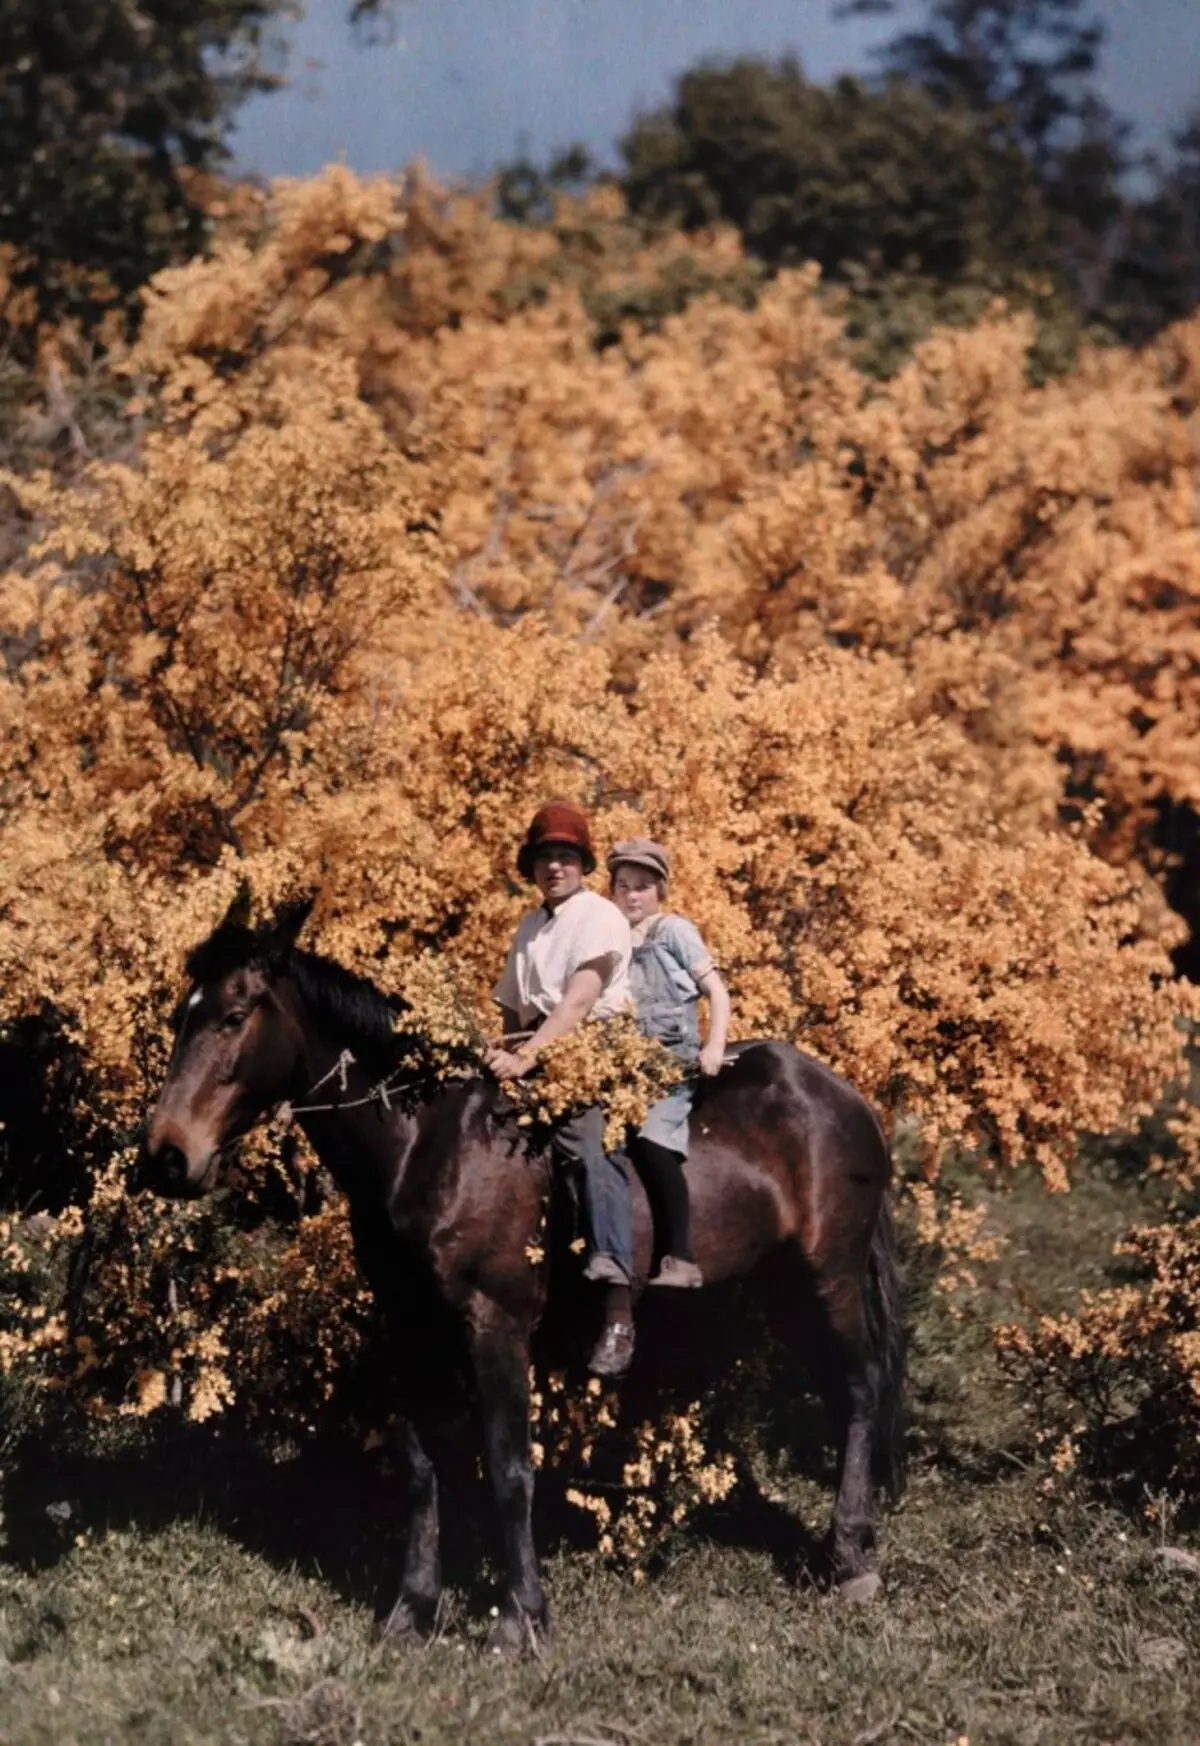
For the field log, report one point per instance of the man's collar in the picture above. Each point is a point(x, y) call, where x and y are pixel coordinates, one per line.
point(561, 905)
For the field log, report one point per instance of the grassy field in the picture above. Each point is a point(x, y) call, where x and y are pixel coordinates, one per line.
point(204, 1597)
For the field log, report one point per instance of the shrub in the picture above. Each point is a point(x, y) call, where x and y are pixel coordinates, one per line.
point(395, 563)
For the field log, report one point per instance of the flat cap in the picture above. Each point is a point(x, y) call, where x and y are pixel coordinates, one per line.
point(641, 852)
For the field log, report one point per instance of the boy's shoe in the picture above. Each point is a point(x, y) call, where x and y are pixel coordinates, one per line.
point(614, 1351)
point(683, 1274)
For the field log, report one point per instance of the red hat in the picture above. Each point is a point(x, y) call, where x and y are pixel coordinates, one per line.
point(558, 822)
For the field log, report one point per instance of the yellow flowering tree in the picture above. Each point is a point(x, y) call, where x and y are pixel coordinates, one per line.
point(402, 553)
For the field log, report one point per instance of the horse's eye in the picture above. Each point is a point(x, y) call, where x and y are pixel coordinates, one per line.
point(233, 1021)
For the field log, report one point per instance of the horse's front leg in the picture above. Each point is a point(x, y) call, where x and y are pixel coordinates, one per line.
point(415, 1612)
point(499, 1344)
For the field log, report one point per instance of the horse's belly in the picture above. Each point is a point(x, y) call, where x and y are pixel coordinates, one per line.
point(738, 1217)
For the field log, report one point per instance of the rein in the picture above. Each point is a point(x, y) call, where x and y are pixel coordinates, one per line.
point(379, 1093)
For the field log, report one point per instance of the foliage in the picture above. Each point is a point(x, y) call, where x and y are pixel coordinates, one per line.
point(837, 174)
point(1113, 1386)
point(1161, 264)
point(1025, 69)
point(610, 1064)
point(666, 1471)
point(111, 114)
point(401, 554)
point(983, 160)
point(1024, 63)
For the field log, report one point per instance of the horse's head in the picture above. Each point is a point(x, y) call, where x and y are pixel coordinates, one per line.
point(239, 1048)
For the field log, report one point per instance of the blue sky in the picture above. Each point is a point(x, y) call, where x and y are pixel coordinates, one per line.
point(468, 83)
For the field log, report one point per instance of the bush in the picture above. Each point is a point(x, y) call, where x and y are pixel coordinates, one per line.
point(1113, 1388)
point(397, 561)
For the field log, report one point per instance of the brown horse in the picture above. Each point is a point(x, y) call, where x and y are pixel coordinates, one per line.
point(788, 1174)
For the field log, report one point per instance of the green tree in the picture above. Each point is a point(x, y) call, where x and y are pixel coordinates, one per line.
point(1026, 64)
point(1165, 255)
point(843, 174)
point(108, 108)
point(525, 192)
point(1026, 68)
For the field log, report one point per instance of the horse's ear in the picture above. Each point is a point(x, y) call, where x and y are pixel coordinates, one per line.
point(285, 929)
point(238, 913)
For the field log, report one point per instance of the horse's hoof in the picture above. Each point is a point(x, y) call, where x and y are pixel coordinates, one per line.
point(405, 1627)
point(858, 1590)
point(516, 1635)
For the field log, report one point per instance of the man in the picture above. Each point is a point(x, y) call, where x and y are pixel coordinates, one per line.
point(570, 962)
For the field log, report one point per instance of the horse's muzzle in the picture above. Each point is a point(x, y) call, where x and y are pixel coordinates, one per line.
point(165, 1171)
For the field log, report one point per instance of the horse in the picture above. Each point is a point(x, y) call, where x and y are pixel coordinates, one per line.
point(789, 1176)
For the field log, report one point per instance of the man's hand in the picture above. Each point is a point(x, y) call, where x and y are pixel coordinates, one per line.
point(711, 1060)
point(507, 1064)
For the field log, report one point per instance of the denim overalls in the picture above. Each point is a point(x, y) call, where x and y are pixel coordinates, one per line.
point(666, 993)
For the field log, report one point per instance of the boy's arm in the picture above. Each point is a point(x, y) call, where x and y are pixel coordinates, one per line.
point(713, 1052)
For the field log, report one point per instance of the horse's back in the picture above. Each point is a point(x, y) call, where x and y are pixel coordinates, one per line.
point(784, 1153)
point(786, 1069)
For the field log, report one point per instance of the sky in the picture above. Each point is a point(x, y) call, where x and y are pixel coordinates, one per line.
point(467, 84)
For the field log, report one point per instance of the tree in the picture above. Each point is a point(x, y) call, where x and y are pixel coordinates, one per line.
point(1024, 63)
point(1161, 267)
point(1025, 68)
point(108, 112)
point(526, 193)
point(839, 174)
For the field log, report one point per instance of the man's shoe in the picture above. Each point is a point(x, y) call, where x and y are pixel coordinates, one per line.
point(614, 1351)
point(683, 1274)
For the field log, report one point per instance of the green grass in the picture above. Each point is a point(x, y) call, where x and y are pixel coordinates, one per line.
point(200, 1597)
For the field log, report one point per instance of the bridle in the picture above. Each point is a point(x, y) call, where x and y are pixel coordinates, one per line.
point(380, 1093)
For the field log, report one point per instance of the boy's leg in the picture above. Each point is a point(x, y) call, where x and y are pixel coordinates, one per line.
point(666, 1188)
point(661, 1169)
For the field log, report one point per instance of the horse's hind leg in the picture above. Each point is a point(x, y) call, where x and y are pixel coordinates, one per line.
point(415, 1612)
point(846, 1376)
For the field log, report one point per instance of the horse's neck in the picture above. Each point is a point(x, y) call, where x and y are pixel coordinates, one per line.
point(355, 1129)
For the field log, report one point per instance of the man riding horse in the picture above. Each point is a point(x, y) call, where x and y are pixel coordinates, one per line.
point(570, 962)
point(579, 957)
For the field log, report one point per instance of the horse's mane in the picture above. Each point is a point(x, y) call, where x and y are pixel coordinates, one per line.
point(350, 1007)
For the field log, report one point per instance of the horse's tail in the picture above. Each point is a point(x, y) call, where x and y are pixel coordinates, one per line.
point(888, 1343)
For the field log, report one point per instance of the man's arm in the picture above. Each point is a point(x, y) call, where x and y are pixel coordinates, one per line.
point(579, 997)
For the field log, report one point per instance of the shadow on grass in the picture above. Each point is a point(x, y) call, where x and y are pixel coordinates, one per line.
point(329, 1510)
point(758, 1523)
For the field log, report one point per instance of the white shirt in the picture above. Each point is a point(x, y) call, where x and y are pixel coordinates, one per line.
point(552, 944)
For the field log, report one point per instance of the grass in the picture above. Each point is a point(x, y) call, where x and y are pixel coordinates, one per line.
point(202, 1596)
